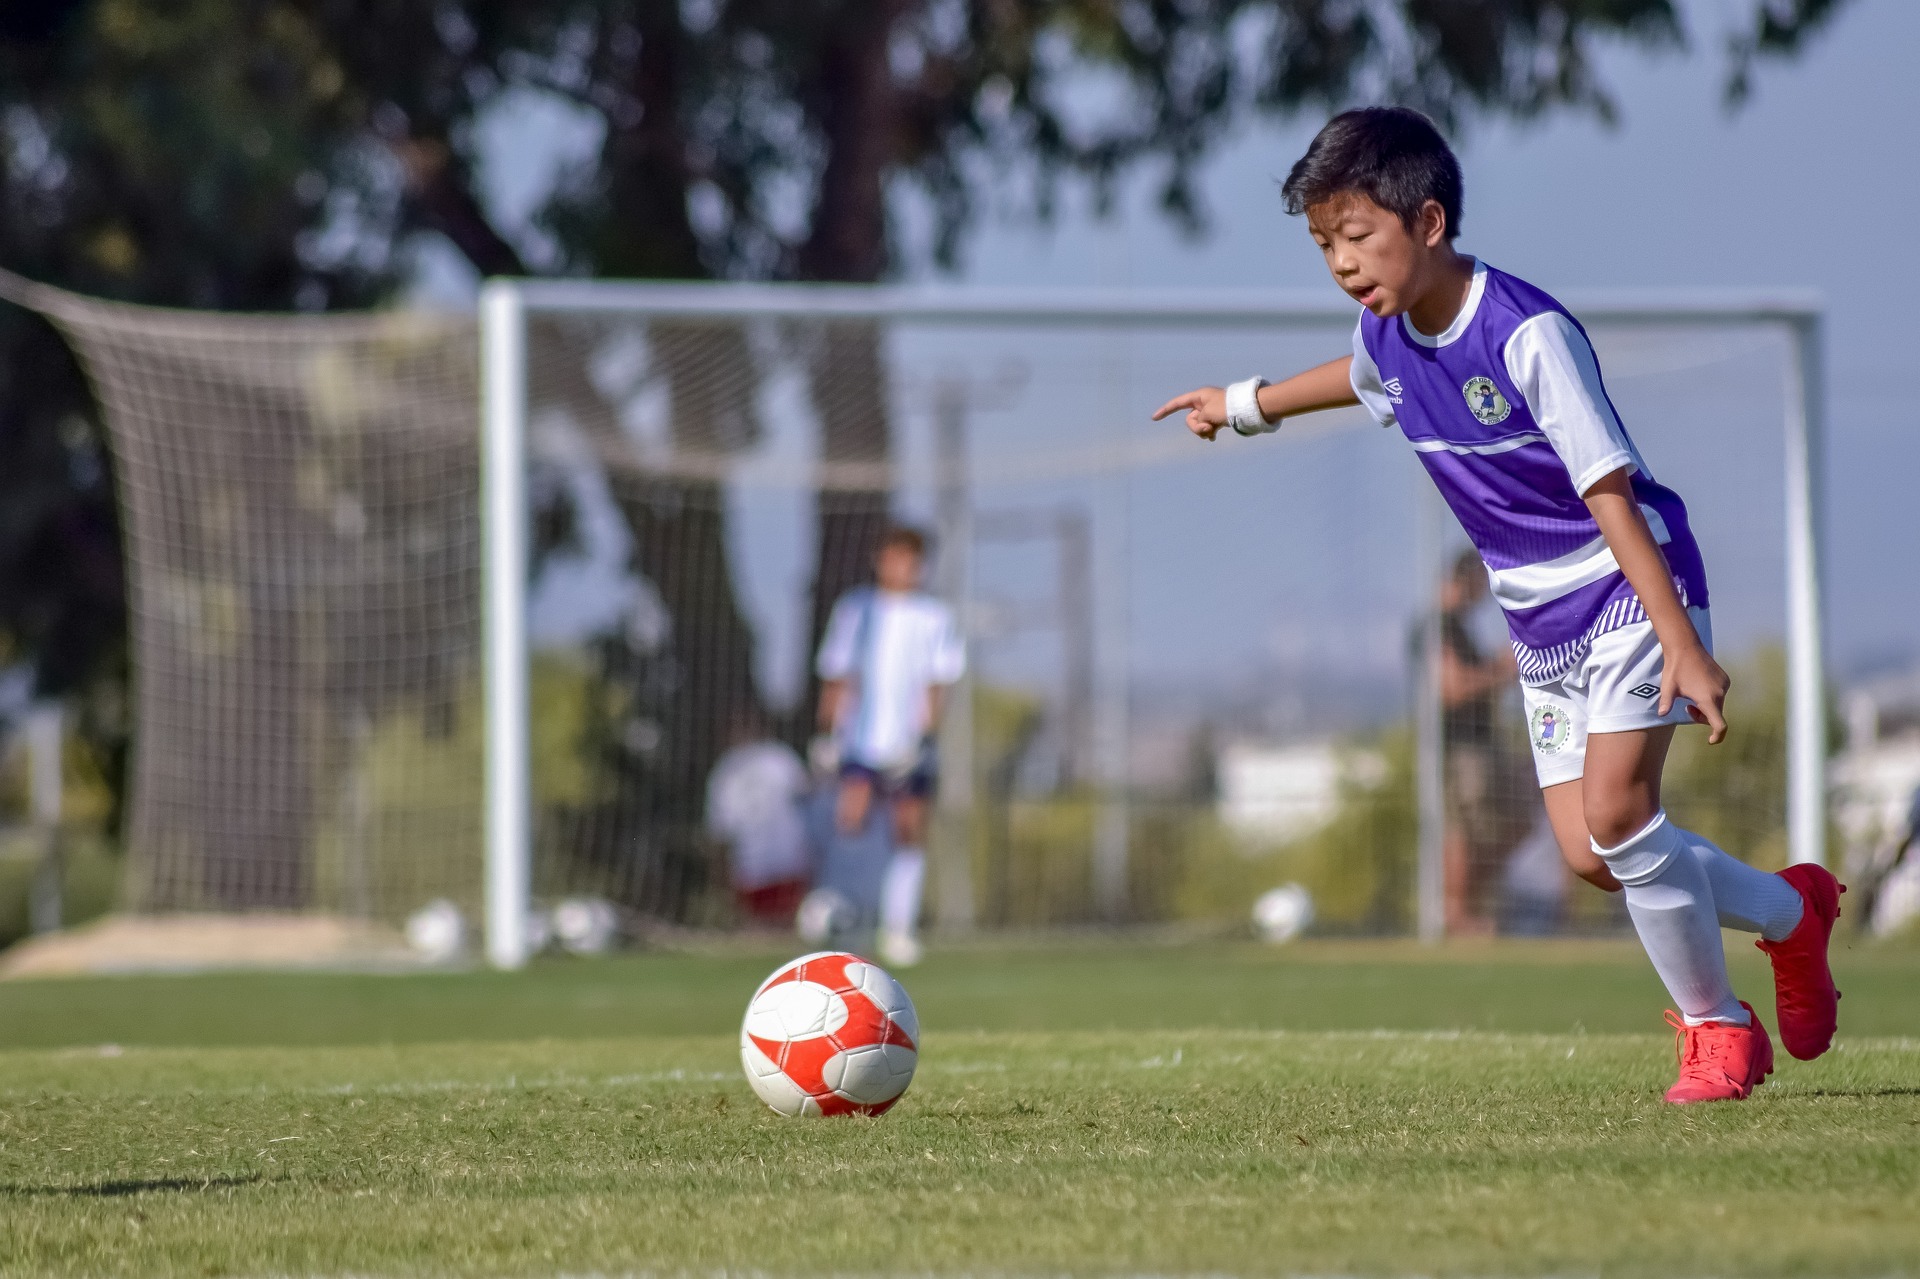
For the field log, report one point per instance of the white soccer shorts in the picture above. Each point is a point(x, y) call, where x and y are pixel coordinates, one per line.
point(1615, 688)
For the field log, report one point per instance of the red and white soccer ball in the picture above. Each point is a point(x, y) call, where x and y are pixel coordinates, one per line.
point(830, 1034)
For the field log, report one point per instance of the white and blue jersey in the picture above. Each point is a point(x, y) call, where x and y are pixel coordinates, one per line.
point(1511, 418)
point(891, 648)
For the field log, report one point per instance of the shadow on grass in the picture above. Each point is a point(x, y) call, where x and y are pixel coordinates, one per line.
point(117, 1189)
point(1859, 1092)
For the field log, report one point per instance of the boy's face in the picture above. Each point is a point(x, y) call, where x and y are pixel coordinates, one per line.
point(1381, 262)
point(897, 568)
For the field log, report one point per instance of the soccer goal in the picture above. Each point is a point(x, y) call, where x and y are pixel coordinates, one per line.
point(1193, 665)
point(378, 665)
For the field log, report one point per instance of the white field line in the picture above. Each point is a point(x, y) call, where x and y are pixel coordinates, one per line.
point(746, 1273)
point(964, 1066)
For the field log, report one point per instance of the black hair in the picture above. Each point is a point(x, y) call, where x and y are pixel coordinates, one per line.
point(905, 536)
point(1392, 155)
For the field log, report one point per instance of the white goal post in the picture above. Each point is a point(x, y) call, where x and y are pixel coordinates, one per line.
point(507, 307)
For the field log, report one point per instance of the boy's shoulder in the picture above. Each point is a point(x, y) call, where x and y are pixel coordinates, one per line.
point(1511, 301)
point(927, 603)
point(916, 603)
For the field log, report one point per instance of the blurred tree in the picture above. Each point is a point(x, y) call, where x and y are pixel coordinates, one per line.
point(272, 154)
point(776, 139)
point(209, 154)
point(162, 157)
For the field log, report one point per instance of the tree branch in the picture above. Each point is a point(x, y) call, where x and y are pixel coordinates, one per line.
point(440, 197)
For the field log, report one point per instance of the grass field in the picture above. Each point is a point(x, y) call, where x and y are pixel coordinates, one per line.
point(1329, 1108)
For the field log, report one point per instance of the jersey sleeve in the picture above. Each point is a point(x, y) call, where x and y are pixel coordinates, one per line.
point(837, 656)
point(1552, 365)
point(1365, 377)
point(949, 650)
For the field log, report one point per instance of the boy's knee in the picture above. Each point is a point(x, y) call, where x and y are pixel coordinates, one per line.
point(909, 820)
point(854, 799)
point(1644, 853)
point(1590, 866)
point(1600, 877)
point(1614, 819)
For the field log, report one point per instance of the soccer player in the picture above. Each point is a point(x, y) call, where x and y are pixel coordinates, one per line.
point(888, 656)
point(1497, 388)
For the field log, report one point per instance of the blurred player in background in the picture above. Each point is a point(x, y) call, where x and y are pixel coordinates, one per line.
point(1499, 391)
point(754, 806)
point(889, 654)
point(1487, 808)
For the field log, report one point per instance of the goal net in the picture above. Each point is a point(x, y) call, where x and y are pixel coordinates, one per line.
point(1198, 672)
point(298, 498)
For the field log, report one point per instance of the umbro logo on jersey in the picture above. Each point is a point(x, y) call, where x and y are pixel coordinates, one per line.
point(1645, 690)
point(1392, 388)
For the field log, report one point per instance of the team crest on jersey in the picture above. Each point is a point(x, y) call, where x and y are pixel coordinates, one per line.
point(1484, 398)
point(1550, 727)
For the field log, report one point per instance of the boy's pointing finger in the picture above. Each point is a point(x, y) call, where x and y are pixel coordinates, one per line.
point(1191, 400)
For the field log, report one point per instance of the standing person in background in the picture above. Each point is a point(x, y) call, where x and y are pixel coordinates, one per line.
point(1489, 807)
point(889, 654)
point(754, 797)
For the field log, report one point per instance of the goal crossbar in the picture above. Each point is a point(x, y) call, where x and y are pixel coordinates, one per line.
point(507, 304)
point(1105, 307)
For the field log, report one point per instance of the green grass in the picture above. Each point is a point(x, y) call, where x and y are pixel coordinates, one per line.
point(1098, 1109)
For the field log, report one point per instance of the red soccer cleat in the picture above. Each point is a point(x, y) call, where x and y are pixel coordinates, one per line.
point(1804, 996)
point(1719, 1061)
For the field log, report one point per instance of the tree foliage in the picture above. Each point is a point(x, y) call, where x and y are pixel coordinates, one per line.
point(291, 154)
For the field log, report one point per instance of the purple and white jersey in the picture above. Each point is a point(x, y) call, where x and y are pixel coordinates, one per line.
point(1511, 418)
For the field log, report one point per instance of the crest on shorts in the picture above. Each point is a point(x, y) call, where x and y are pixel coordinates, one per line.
point(1484, 398)
point(1549, 727)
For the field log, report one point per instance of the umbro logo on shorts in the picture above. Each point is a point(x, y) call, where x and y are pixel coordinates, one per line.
point(1645, 690)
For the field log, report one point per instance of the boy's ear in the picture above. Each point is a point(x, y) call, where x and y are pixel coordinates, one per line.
point(1433, 224)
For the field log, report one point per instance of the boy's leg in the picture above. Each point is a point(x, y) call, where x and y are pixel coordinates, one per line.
point(1748, 900)
point(1567, 814)
point(1745, 899)
point(1725, 1052)
point(1669, 896)
point(900, 894)
point(1599, 748)
point(854, 800)
point(1793, 911)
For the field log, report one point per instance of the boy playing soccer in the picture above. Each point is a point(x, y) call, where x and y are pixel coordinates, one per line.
point(888, 655)
point(1497, 388)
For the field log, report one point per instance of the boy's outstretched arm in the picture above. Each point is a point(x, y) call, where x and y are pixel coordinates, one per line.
point(1327, 386)
point(1689, 671)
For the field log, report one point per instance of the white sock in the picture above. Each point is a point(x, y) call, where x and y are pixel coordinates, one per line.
point(1670, 901)
point(900, 891)
point(1747, 899)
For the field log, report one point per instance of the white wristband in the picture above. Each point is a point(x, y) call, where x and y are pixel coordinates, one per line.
point(1243, 408)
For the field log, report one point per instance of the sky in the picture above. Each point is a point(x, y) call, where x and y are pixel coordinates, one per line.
point(1813, 184)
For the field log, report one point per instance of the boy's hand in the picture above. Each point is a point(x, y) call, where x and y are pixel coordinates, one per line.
point(1693, 674)
point(1206, 410)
